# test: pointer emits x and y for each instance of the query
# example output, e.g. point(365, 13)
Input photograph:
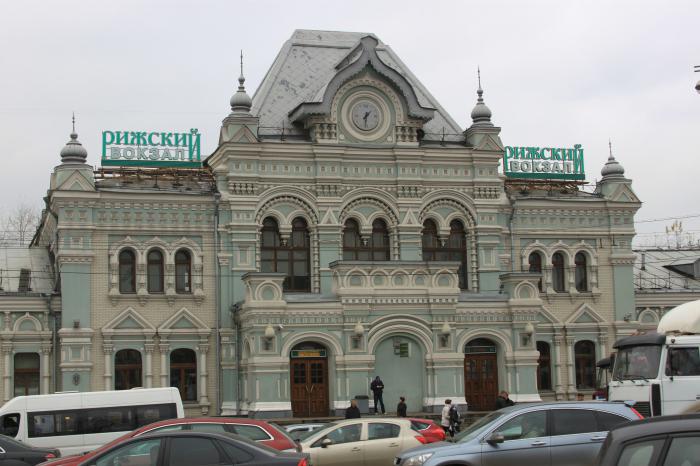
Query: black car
point(656, 441)
point(190, 448)
point(14, 453)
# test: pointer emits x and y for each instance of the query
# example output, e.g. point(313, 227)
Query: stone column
point(45, 368)
point(108, 350)
point(164, 348)
point(571, 389)
point(203, 398)
point(7, 375)
point(148, 379)
point(558, 363)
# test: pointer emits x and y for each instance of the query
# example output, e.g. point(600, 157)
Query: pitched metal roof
point(25, 270)
point(654, 269)
point(306, 64)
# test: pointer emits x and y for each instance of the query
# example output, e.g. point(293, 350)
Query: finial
point(241, 62)
point(73, 152)
point(241, 78)
point(478, 73)
point(610, 147)
point(481, 114)
point(74, 122)
point(240, 101)
point(612, 167)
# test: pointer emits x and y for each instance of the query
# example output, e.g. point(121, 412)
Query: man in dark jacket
point(377, 387)
point(353, 412)
point(401, 407)
point(503, 401)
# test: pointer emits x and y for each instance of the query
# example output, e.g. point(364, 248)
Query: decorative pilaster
point(571, 388)
point(45, 368)
point(164, 348)
point(149, 348)
point(108, 350)
point(203, 398)
point(7, 374)
point(558, 363)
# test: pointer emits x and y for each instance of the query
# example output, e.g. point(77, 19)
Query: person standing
point(503, 401)
point(455, 421)
point(445, 418)
point(377, 387)
point(353, 412)
point(401, 407)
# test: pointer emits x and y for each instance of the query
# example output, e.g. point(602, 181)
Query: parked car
point(357, 442)
point(430, 430)
point(188, 448)
point(258, 431)
point(16, 453)
point(663, 440)
point(556, 433)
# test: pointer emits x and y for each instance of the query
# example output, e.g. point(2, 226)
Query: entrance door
point(309, 381)
point(480, 375)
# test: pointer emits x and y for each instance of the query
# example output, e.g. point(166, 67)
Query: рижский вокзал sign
point(151, 149)
point(544, 163)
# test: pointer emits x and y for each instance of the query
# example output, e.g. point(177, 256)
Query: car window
point(237, 455)
point(344, 434)
point(528, 425)
point(419, 425)
point(10, 424)
point(208, 427)
point(143, 452)
point(251, 432)
point(683, 361)
point(607, 421)
point(573, 421)
point(684, 451)
point(186, 451)
point(380, 430)
point(641, 453)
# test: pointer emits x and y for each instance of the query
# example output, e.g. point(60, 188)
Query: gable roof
point(667, 269)
point(307, 63)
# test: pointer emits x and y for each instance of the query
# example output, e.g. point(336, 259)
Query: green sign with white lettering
point(151, 149)
point(544, 163)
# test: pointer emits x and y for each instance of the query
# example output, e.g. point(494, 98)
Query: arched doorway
point(400, 362)
point(480, 374)
point(308, 371)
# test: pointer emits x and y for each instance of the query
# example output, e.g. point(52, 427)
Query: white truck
point(660, 370)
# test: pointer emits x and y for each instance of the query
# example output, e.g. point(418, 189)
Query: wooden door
point(480, 381)
point(309, 387)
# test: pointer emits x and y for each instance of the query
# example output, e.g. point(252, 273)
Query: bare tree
point(20, 225)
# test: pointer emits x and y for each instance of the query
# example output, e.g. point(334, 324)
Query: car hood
point(440, 449)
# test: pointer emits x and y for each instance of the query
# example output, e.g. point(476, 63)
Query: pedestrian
point(503, 401)
point(401, 407)
point(377, 387)
point(455, 421)
point(353, 412)
point(445, 418)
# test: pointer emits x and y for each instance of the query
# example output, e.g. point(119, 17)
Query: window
point(291, 258)
point(116, 419)
point(454, 249)
point(251, 432)
point(535, 265)
point(127, 271)
point(683, 361)
point(237, 455)
point(558, 272)
point(183, 373)
point(573, 421)
point(684, 451)
point(607, 421)
point(581, 274)
point(127, 369)
point(141, 452)
point(381, 430)
point(155, 271)
point(10, 424)
point(544, 369)
point(25, 280)
point(641, 454)
point(48, 424)
point(345, 434)
point(584, 355)
point(152, 413)
point(208, 427)
point(374, 248)
point(183, 271)
point(528, 425)
point(26, 374)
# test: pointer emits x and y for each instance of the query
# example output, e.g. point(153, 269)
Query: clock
point(365, 115)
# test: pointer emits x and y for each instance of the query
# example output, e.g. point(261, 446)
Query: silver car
point(541, 434)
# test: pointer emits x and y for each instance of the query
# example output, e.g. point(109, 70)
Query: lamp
point(446, 329)
point(359, 329)
point(445, 332)
point(269, 332)
point(527, 333)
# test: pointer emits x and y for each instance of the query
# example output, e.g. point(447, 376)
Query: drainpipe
point(236, 309)
point(54, 342)
point(217, 288)
point(512, 235)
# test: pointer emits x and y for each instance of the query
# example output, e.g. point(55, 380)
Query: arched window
point(183, 271)
point(127, 271)
point(183, 373)
point(544, 369)
point(26, 374)
point(535, 265)
point(127, 369)
point(558, 272)
point(375, 248)
point(581, 274)
point(584, 356)
point(291, 258)
point(454, 249)
point(155, 271)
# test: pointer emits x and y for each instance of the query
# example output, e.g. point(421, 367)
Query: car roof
point(221, 436)
point(656, 426)
point(613, 405)
point(216, 420)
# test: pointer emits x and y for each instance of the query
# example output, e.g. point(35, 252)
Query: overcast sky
point(555, 73)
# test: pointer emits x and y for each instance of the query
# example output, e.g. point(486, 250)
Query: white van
point(78, 422)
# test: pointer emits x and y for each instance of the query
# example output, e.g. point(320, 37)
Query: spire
point(481, 114)
point(612, 168)
point(241, 101)
point(73, 151)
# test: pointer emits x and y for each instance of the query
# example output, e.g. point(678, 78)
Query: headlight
point(417, 460)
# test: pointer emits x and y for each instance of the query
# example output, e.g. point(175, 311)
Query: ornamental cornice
point(75, 258)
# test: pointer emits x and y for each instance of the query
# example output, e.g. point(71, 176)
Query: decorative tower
point(73, 165)
point(482, 134)
point(240, 125)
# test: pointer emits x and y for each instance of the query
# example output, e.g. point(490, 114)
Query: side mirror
point(325, 442)
point(496, 438)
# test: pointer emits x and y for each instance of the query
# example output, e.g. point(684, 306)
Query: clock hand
point(365, 118)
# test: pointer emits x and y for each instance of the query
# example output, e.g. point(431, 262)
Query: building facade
point(345, 227)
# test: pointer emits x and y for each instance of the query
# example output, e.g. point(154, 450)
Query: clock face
point(365, 115)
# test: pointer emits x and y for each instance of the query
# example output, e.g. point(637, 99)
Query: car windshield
point(637, 362)
point(468, 434)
